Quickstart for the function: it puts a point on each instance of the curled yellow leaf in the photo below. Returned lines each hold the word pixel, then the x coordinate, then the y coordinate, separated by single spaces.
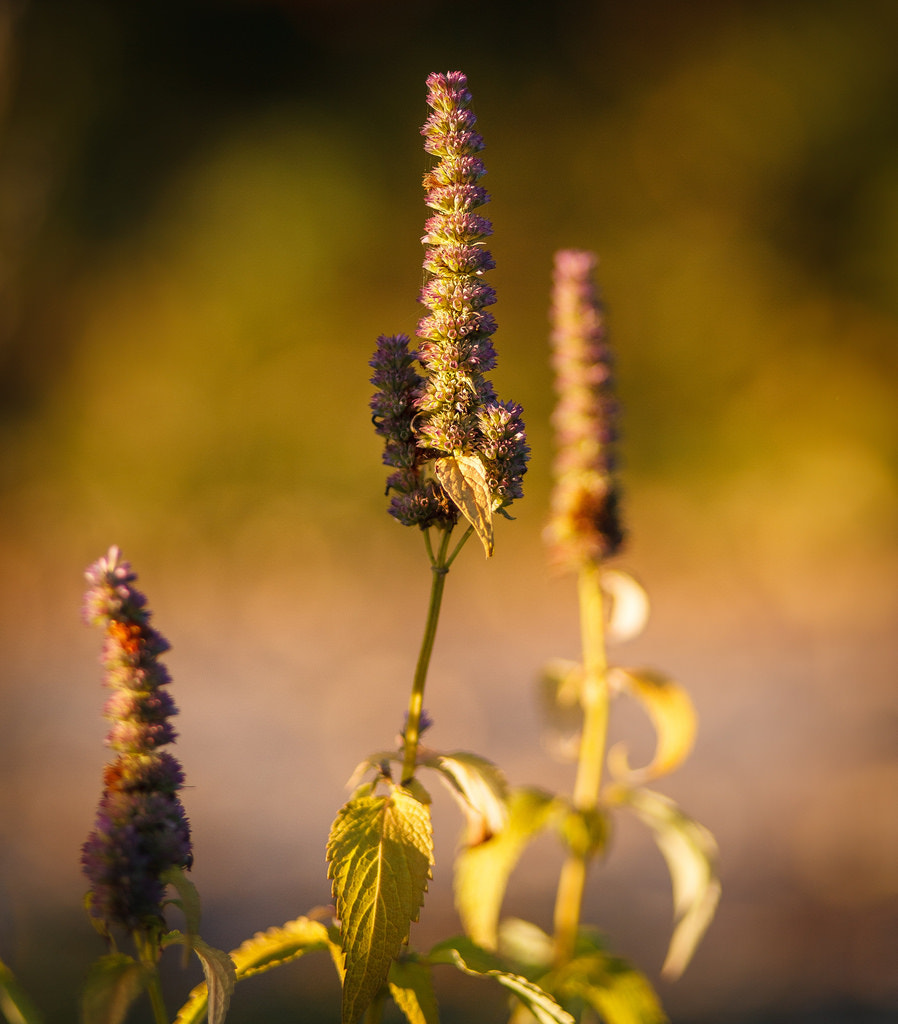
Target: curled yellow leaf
pixel 628 604
pixel 672 714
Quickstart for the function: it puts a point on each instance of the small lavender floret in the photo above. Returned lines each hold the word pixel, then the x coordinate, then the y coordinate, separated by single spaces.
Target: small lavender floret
pixel 585 523
pixel 141 830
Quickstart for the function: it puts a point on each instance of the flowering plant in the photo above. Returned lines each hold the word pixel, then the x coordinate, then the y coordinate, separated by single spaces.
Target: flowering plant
pixel 457 456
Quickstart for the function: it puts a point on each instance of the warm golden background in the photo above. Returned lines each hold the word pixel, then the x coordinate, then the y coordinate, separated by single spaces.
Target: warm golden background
pixel 209 211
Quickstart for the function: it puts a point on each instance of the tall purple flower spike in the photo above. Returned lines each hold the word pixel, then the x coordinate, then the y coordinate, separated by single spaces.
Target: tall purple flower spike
pixel 585 522
pixel 140 830
pixel 452 408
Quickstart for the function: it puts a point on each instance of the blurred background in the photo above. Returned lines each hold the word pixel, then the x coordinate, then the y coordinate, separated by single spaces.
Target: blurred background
pixel 210 210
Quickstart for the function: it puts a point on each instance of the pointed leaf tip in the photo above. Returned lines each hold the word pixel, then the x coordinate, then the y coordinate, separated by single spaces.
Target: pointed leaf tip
pixel 691 854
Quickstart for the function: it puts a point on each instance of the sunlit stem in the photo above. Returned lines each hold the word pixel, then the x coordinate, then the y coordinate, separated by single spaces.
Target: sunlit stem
pixel 594 701
pixel 148 951
pixel 439 564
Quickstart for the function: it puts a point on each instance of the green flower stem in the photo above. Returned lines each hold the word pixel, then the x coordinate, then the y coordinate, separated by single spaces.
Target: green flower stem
pixel 439 564
pixel 594 700
pixel 148 951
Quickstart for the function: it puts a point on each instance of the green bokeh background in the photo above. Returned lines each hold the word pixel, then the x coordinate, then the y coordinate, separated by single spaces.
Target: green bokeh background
pixel 209 211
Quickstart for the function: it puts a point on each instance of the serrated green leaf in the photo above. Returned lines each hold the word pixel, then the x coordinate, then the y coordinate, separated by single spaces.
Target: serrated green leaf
pixel 380 853
pixel 481 789
pixel 263 952
pixel 113 983
pixel 220 979
pixel 15 1004
pixel 411 987
pixel 482 872
pixel 673 716
pixel 219 971
pixel 481 964
pixel 277 946
pixel 691 854
pixel 463 478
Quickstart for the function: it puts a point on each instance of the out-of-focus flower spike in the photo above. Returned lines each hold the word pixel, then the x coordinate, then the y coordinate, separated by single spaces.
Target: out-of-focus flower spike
pixel 141 830
pixel 585 524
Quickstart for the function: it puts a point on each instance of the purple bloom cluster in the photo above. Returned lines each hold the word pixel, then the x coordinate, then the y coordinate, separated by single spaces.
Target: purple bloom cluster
pixel 585 518
pixel 416 500
pixel 452 408
pixel 140 830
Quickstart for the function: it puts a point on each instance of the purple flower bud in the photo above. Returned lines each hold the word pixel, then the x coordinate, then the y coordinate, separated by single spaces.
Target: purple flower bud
pixel 585 518
pixel 140 830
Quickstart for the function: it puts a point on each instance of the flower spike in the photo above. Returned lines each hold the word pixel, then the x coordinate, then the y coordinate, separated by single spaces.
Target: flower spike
pixel 585 524
pixel 141 830
pixel 451 411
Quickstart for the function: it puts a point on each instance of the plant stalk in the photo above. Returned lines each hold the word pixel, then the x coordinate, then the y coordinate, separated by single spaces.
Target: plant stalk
pixel 594 700
pixel 439 565
pixel 148 951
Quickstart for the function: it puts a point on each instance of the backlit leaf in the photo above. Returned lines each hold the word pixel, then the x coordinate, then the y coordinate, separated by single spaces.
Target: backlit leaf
pixel 691 854
pixel 560 689
pixel 15 1004
pixel 482 872
pixel 611 986
pixel 411 987
pixel 219 972
pixel 673 716
pixel 525 943
pixel 628 605
pixel 380 853
pixel 480 964
pixel 113 983
pixel 480 788
pixel 463 478
pixel 264 951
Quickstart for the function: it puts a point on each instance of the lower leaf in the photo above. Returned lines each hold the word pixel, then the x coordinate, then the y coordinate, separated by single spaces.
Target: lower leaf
pixel 113 983
pixel 380 853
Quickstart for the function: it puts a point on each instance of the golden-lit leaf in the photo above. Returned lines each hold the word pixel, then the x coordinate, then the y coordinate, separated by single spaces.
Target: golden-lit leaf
pixel 560 688
pixel 482 872
pixel 615 989
pixel 524 942
pixel 628 604
pixel 479 963
pixel 673 716
pixel 691 854
pixel 113 983
pixel 480 788
pixel 463 478
pixel 264 951
pixel 380 852
pixel 213 998
pixel 15 1005
pixel 411 987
